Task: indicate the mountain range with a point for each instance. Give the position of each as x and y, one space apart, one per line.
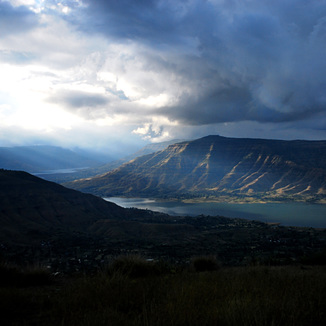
216 166
108 166
36 159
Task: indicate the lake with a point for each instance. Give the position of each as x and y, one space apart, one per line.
291 214
59 171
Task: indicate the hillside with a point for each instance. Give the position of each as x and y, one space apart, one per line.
214 165
104 168
32 209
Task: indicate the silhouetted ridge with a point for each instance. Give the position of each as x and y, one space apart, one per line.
32 205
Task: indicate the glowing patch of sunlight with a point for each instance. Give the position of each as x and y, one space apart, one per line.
128 89
155 101
107 76
17 3
107 121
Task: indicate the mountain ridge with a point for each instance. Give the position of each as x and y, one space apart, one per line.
34 211
36 159
105 167
216 165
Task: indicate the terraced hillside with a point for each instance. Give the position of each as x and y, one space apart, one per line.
216 165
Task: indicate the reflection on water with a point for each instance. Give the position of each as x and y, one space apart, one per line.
294 214
60 171
131 202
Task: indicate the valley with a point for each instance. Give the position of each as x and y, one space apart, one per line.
285 213
60 250
235 242
70 231
41 158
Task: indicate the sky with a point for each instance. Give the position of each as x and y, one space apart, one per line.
115 75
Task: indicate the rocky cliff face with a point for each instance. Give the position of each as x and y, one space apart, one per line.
214 165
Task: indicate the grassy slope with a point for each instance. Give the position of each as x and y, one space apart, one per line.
232 296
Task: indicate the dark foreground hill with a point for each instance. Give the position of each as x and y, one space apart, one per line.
32 209
214 165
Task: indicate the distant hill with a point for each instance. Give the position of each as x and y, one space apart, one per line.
36 159
104 168
216 165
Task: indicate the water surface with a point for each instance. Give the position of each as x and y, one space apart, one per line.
60 171
291 214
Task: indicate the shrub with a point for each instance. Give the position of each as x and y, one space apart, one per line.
11 275
133 266
318 258
205 264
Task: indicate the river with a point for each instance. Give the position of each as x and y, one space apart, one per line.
290 214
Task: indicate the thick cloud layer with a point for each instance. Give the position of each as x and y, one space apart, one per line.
231 60
172 69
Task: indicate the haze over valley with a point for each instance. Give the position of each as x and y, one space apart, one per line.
213 175
46 221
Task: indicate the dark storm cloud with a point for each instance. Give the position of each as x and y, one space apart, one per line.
15 19
234 60
145 19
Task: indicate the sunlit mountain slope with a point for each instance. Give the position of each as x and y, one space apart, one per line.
217 165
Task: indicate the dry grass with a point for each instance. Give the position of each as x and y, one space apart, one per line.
229 296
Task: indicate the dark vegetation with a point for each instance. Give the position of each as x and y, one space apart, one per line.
205 264
234 242
133 291
33 210
13 275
